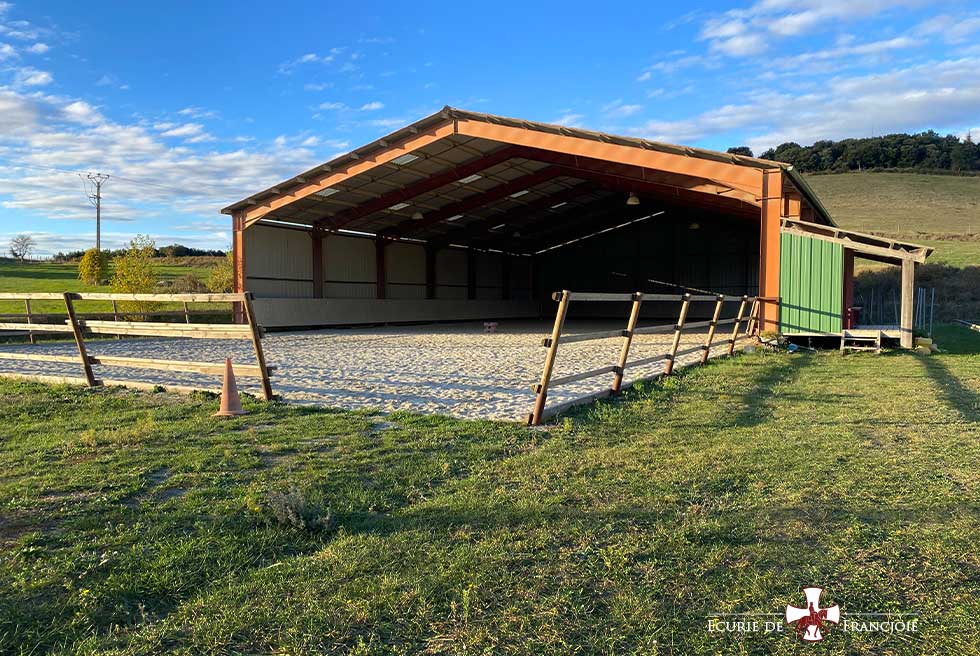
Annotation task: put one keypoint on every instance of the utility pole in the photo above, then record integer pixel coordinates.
(97, 180)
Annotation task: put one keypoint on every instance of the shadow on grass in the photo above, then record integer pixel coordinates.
(759, 401)
(960, 398)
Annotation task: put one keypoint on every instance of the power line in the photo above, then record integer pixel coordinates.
(97, 180)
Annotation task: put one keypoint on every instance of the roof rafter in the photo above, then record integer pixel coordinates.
(409, 226)
(423, 186)
(515, 218)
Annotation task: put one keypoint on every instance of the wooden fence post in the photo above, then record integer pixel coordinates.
(549, 361)
(627, 340)
(685, 304)
(738, 323)
(30, 333)
(753, 317)
(79, 340)
(257, 344)
(115, 315)
(187, 314)
(706, 349)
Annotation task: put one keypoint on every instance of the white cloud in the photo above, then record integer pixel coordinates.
(618, 109)
(317, 86)
(31, 77)
(953, 29)
(570, 119)
(749, 31)
(7, 51)
(185, 130)
(644, 76)
(907, 98)
(81, 112)
(332, 105)
(372, 106)
(39, 48)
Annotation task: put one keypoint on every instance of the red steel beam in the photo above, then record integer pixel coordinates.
(409, 226)
(516, 218)
(405, 194)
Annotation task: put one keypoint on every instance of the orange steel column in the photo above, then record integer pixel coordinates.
(772, 203)
(237, 254)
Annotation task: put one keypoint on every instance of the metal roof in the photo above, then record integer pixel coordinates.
(450, 114)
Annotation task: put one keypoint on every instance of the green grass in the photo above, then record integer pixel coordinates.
(902, 204)
(136, 523)
(63, 277)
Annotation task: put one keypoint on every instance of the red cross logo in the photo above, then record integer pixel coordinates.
(810, 620)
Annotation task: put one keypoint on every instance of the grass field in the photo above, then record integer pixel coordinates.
(902, 203)
(137, 523)
(63, 277)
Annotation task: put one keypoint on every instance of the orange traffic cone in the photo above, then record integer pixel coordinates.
(231, 405)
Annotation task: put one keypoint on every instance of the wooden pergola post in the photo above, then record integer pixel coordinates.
(30, 319)
(549, 361)
(627, 340)
(706, 349)
(908, 302)
(769, 247)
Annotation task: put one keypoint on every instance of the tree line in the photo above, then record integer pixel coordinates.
(925, 151)
(174, 250)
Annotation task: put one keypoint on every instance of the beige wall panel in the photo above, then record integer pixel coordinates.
(278, 253)
(451, 267)
(488, 269)
(348, 259)
(406, 263)
(279, 288)
(349, 290)
(285, 312)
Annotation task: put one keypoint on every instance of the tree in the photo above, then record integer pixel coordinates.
(134, 271)
(740, 150)
(222, 278)
(22, 246)
(94, 267)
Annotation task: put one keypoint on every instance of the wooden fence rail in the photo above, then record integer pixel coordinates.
(636, 300)
(115, 323)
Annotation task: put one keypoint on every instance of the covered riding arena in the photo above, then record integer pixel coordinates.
(461, 219)
(477, 266)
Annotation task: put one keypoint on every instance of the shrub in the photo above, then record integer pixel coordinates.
(94, 267)
(188, 284)
(293, 509)
(134, 272)
(222, 278)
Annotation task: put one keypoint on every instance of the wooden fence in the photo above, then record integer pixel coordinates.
(564, 298)
(118, 322)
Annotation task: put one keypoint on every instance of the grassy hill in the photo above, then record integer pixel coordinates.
(941, 211)
(902, 204)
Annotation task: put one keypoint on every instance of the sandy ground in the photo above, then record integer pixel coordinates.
(453, 369)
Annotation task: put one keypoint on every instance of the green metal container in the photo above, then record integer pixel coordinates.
(811, 285)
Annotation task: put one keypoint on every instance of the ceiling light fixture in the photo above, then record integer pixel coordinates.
(329, 191)
(518, 194)
(471, 178)
(398, 206)
(416, 216)
(555, 207)
(633, 199)
(455, 217)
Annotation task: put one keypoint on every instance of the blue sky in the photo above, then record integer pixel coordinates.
(193, 105)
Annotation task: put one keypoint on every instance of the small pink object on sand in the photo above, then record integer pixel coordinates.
(490, 326)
